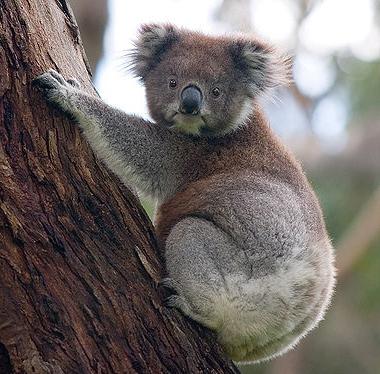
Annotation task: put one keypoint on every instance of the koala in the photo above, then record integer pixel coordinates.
(246, 249)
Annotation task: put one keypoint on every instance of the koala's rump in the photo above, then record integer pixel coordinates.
(275, 264)
(262, 214)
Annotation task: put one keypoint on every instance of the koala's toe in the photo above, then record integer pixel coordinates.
(49, 80)
(44, 81)
(73, 82)
(170, 284)
(173, 301)
(57, 76)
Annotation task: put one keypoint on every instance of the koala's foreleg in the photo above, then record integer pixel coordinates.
(134, 149)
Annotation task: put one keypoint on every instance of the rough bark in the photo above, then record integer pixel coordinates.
(79, 267)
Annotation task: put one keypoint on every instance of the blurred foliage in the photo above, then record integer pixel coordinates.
(365, 284)
(341, 195)
(148, 205)
(362, 83)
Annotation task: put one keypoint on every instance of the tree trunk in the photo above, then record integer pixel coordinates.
(79, 264)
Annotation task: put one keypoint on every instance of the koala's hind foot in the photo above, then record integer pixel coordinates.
(179, 301)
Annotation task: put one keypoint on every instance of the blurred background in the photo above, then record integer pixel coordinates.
(330, 118)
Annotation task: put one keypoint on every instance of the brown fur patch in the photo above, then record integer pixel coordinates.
(252, 149)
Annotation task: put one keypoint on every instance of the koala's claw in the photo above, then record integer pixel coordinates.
(169, 283)
(57, 76)
(172, 301)
(43, 82)
(73, 82)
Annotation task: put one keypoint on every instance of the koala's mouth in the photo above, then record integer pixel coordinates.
(187, 123)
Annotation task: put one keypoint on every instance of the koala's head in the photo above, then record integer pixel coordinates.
(204, 85)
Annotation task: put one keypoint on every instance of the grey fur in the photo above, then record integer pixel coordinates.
(252, 260)
(134, 149)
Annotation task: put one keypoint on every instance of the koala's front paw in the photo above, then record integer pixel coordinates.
(57, 90)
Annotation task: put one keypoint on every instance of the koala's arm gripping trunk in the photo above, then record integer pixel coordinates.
(78, 263)
(136, 150)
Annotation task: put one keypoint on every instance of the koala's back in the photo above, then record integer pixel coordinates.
(267, 219)
(257, 210)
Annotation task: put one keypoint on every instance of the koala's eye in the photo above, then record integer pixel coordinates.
(172, 83)
(216, 91)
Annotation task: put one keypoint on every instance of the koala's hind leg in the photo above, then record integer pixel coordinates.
(197, 256)
(258, 308)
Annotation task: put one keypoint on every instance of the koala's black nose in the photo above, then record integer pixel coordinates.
(191, 100)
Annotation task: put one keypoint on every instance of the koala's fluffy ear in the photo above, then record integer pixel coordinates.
(262, 65)
(152, 42)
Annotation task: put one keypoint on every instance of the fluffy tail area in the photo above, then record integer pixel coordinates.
(260, 318)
